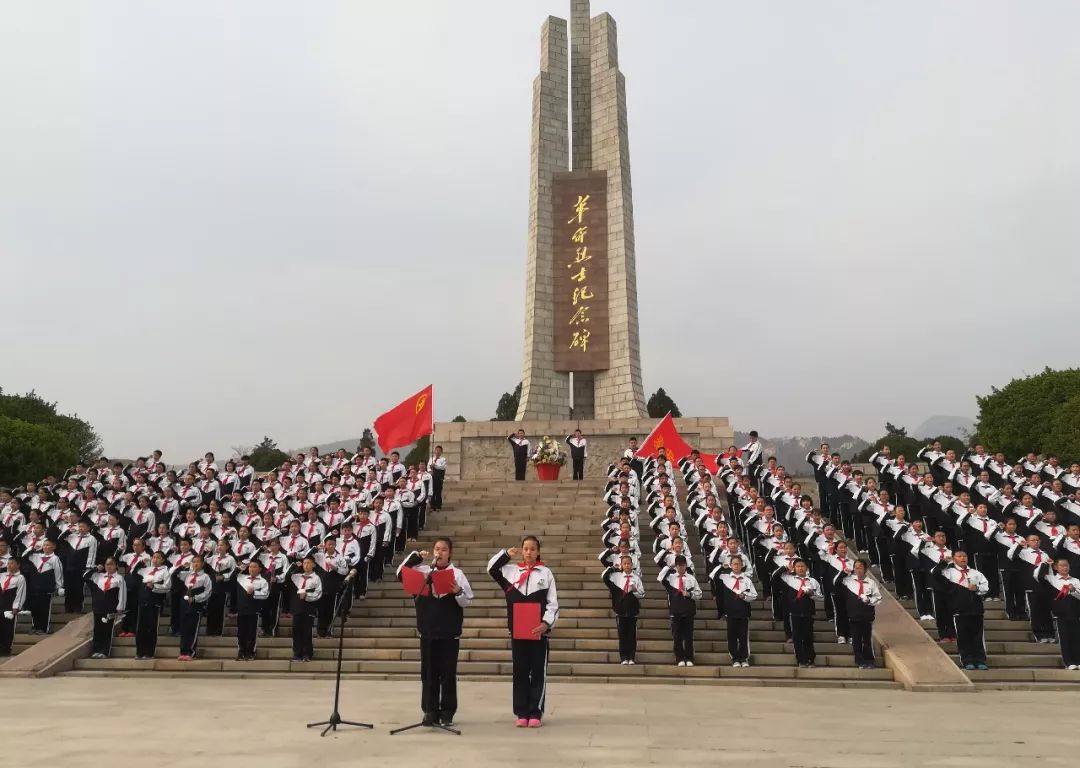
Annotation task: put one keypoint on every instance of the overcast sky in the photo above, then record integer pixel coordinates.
(225, 220)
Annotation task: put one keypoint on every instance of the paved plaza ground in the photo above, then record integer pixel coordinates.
(75, 722)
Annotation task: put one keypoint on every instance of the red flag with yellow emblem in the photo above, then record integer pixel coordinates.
(407, 422)
(664, 435)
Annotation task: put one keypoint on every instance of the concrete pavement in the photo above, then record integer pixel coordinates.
(73, 722)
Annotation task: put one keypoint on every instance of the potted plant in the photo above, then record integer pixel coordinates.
(548, 459)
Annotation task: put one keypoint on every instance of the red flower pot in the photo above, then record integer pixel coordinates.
(548, 471)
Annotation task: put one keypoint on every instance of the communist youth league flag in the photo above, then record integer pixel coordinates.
(664, 435)
(406, 422)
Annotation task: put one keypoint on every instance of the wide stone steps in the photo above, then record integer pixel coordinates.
(380, 638)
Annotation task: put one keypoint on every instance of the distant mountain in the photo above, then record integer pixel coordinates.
(957, 426)
(791, 451)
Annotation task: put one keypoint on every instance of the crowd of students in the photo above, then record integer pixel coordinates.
(142, 541)
(798, 558)
(954, 531)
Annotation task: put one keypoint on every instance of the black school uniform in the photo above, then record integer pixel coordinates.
(303, 608)
(1064, 598)
(46, 577)
(734, 599)
(196, 589)
(578, 453)
(1012, 584)
(681, 610)
(966, 606)
(520, 447)
(626, 591)
(275, 568)
(860, 597)
(222, 569)
(108, 596)
(12, 600)
(439, 619)
(524, 584)
(332, 571)
(154, 586)
(133, 564)
(79, 553)
(799, 595)
(249, 606)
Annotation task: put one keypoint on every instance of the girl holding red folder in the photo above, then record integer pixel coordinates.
(440, 604)
(532, 609)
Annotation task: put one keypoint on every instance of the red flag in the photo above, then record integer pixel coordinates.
(664, 435)
(406, 422)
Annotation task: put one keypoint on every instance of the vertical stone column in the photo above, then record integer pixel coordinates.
(619, 393)
(581, 85)
(545, 393)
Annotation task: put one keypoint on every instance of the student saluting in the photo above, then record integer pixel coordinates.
(439, 616)
(529, 581)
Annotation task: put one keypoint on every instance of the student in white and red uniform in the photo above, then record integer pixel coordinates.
(108, 595)
(627, 591)
(528, 581)
(12, 600)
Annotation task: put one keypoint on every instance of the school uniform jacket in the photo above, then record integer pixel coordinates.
(251, 604)
(734, 594)
(860, 597)
(439, 616)
(962, 600)
(799, 593)
(311, 585)
(626, 590)
(679, 604)
(108, 593)
(46, 573)
(522, 584)
(12, 592)
(1063, 595)
(197, 586)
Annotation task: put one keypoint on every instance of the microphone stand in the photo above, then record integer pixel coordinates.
(425, 723)
(335, 717)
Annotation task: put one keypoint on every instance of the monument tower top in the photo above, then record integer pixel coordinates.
(581, 321)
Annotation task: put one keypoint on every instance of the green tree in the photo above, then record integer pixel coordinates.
(894, 432)
(367, 440)
(32, 452)
(267, 456)
(1038, 413)
(507, 408)
(420, 452)
(32, 409)
(660, 403)
(461, 419)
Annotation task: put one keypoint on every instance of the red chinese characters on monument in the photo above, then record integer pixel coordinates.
(582, 338)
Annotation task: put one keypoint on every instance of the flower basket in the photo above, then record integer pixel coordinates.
(548, 459)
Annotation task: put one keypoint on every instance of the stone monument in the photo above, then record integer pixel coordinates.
(581, 322)
(582, 357)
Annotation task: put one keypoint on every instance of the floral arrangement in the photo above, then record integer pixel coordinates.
(548, 452)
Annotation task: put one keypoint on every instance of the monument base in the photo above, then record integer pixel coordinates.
(478, 450)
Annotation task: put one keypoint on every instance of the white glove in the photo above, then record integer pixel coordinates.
(9, 614)
(60, 592)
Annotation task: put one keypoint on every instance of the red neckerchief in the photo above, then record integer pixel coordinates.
(524, 578)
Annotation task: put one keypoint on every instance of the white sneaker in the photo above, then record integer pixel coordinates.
(689, 663)
(926, 617)
(1074, 666)
(681, 664)
(631, 662)
(841, 640)
(739, 664)
(746, 663)
(624, 662)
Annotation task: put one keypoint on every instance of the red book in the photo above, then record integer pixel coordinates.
(414, 582)
(441, 581)
(526, 619)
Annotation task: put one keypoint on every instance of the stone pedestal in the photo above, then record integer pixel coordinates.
(478, 450)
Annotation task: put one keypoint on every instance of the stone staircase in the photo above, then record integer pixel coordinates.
(483, 517)
(1016, 661)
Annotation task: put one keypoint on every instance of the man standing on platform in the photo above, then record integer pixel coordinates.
(578, 452)
(520, 447)
(752, 455)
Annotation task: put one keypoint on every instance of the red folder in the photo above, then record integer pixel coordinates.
(414, 582)
(526, 619)
(441, 581)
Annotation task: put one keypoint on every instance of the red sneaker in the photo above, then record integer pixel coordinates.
(183, 658)
(534, 722)
(521, 722)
